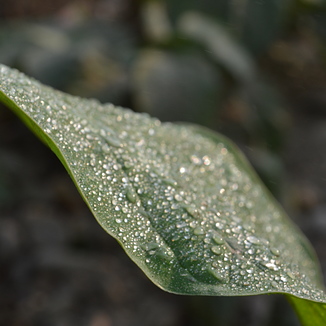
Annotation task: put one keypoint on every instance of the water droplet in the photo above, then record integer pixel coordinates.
(236, 229)
(113, 141)
(195, 160)
(218, 239)
(234, 186)
(150, 246)
(180, 225)
(271, 266)
(93, 160)
(188, 277)
(106, 148)
(161, 253)
(131, 195)
(127, 164)
(170, 182)
(253, 240)
(291, 275)
(206, 160)
(177, 197)
(216, 250)
(234, 245)
(175, 238)
(199, 230)
(275, 251)
(221, 276)
(190, 210)
(193, 224)
(144, 213)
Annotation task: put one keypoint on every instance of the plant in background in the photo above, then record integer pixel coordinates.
(181, 200)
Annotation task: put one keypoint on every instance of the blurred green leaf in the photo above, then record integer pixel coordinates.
(309, 313)
(176, 86)
(254, 23)
(261, 21)
(219, 44)
(90, 58)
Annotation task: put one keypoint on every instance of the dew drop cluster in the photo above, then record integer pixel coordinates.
(181, 200)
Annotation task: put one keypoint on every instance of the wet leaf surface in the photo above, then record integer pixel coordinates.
(181, 200)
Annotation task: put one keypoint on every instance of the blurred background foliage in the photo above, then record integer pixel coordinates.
(251, 69)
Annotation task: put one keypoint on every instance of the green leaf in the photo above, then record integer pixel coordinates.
(182, 200)
(219, 44)
(310, 313)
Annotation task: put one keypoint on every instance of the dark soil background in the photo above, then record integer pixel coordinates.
(57, 266)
